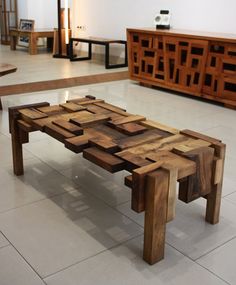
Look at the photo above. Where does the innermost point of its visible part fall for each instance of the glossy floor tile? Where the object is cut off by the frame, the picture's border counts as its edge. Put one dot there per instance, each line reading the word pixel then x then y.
pixel 43 66
pixel 15 270
pixel 122 265
pixel 55 233
pixel 71 220
pixel 221 261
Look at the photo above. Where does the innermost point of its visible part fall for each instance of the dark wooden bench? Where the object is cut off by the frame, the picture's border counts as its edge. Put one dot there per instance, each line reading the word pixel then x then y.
pixel 98 41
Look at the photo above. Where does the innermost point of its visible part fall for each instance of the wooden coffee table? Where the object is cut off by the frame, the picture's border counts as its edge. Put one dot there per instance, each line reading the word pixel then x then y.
pixel 33 37
pixel 157 157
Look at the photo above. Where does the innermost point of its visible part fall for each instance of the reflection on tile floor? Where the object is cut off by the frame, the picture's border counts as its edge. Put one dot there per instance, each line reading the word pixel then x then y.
pixel 67 221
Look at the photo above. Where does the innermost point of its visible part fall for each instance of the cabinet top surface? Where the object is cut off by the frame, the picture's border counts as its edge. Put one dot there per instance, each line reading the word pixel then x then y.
pixel 186 33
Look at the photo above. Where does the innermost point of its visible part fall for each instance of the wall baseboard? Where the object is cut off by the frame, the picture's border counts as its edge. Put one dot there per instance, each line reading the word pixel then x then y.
pixel 62 83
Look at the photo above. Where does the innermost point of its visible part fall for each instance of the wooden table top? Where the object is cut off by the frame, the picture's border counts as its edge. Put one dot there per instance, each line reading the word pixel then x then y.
pixel 116 140
pixel 6 68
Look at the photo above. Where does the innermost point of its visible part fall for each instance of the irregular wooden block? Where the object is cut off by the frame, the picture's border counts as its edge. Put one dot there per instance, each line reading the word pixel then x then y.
pixel 184 166
pixel 129 181
pixel 15 115
pixel 218 169
pixel 114 109
pixel 138 190
pixel 57 132
pixel 199 136
pixel 77 144
pixel 185 147
pixel 133 161
pixel 104 160
pixel 72 107
pixel 27 127
pixel 90 120
pixel 131 129
pixel 88 101
pixel 199 184
pixel 51 110
pixel 130 119
pixel 152 124
pixel 74 129
pixel 150 135
pixel 172 186
pixel 31 114
pixel 106 145
pixel 91 97
pixel 152 146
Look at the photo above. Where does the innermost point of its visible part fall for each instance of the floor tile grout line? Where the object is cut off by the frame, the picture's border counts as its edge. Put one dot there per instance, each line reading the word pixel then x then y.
pixel 90 257
pixel 195 261
pixel 33 269
pixel 224 243
pixel 214 273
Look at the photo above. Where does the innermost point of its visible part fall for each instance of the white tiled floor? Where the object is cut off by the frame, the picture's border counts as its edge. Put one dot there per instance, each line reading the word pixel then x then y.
pixel 68 222
pixel 31 68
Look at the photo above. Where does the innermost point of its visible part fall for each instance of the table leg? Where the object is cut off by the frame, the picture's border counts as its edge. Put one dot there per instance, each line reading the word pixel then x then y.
pixel 32 44
pixel 17 152
pixel 214 198
pixel 13 40
pixel 156 203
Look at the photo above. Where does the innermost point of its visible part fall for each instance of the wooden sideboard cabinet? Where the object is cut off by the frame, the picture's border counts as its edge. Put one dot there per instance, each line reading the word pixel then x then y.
pixel 196 63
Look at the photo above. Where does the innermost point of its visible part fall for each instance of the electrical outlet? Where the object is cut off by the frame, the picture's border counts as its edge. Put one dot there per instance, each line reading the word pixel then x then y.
pixel 81 28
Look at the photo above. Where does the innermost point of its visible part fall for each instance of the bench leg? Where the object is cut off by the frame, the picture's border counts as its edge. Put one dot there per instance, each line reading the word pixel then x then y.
pixel 71 53
pixel 156 203
pixel 107 57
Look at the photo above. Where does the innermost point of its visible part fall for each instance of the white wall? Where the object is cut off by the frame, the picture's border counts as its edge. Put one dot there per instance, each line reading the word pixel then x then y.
pixel 110 18
pixel 44 12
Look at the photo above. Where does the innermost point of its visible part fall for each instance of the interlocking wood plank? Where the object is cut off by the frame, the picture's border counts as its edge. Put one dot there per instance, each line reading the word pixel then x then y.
pixel 184 166
pixel 15 115
pixel 90 120
pixel 149 123
pixel 30 114
pixel 172 186
pixel 131 129
pixel 104 160
pixel 138 190
pixel 185 147
pixel 148 136
pixel 114 109
pixel 77 144
pixel 129 181
pixel 200 183
pixel 130 119
pixel 51 110
pixel 214 197
pixel 74 129
pixel 154 146
pixel 93 108
pixel 134 161
pixel 218 169
pixel 197 135
pixel 40 123
pixel 86 102
pixel 57 132
pixel 25 126
pixel 72 107
pixel 104 144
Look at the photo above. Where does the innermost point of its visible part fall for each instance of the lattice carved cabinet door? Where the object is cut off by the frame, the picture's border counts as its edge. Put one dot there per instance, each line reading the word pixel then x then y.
pixel 184 63
pixel 220 76
pixel 8 18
